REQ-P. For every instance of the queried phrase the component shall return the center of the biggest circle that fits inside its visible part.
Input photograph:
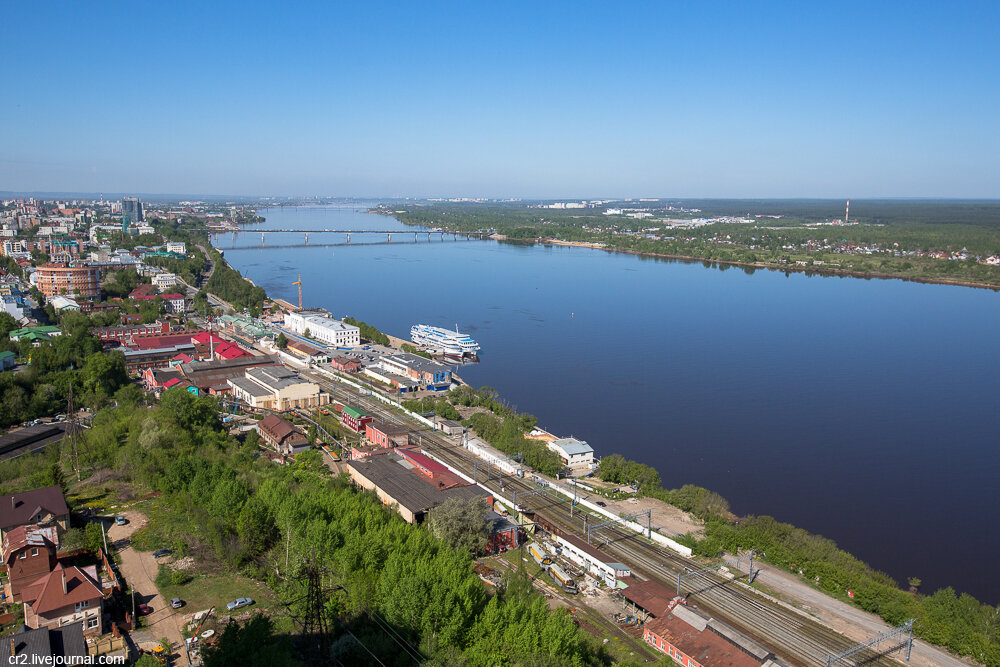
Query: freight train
(561, 578)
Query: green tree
(255, 527)
(281, 341)
(461, 524)
(252, 644)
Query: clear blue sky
(534, 99)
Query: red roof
(183, 358)
(205, 338)
(18, 538)
(170, 383)
(46, 594)
(421, 460)
(230, 351)
(142, 290)
(153, 342)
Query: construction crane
(299, 283)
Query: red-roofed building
(65, 595)
(206, 338)
(145, 289)
(694, 640)
(425, 464)
(182, 358)
(229, 350)
(29, 552)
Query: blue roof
(572, 446)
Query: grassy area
(213, 590)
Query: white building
(573, 452)
(592, 559)
(177, 246)
(494, 456)
(165, 281)
(61, 303)
(323, 328)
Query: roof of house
(205, 338)
(184, 358)
(22, 537)
(344, 360)
(422, 460)
(388, 429)
(231, 351)
(278, 428)
(6, 353)
(46, 643)
(17, 509)
(654, 597)
(352, 411)
(46, 594)
(572, 446)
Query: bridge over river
(402, 236)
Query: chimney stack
(65, 590)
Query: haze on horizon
(563, 100)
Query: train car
(560, 577)
(539, 556)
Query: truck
(562, 579)
(539, 556)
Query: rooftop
(572, 446)
(17, 509)
(411, 490)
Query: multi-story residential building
(82, 281)
(323, 328)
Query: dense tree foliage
(368, 332)
(461, 525)
(234, 509)
(74, 358)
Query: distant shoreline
(771, 267)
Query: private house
(29, 552)
(282, 436)
(63, 596)
(345, 364)
(572, 452)
(277, 388)
(47, 646)
(7, 360)
(381, 434)
(45, 506)
(354, 418)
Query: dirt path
(139, 569)
(852, 622)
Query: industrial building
(427, 373)
(494, 457)
(323, 328)
(572, 452)
(592, 559)
(411, 482)
(694, 639)
(277, 388)
(282, 436)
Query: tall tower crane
(299, 283)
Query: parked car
(144, 610)
(176, 603)
(120, 520)
(160, 553)
(239, 602)
(601, 503)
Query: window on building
(79, 606)
(92, 622)
(34, 551)
(23, 554)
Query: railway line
(792, 635)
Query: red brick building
(345, 364)
(68, 280)
(29, 553)
(381, 434)
(694, 640)
(354, 418)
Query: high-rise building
(131, 213)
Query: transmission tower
(315, 628)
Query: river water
(862, 410)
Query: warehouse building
(277, 388)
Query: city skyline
(774, 101)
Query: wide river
(862, 410)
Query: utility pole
(72, 428)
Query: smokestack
(847, 213)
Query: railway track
(792, 635)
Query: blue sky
(740, 99)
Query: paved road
(139, 569)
